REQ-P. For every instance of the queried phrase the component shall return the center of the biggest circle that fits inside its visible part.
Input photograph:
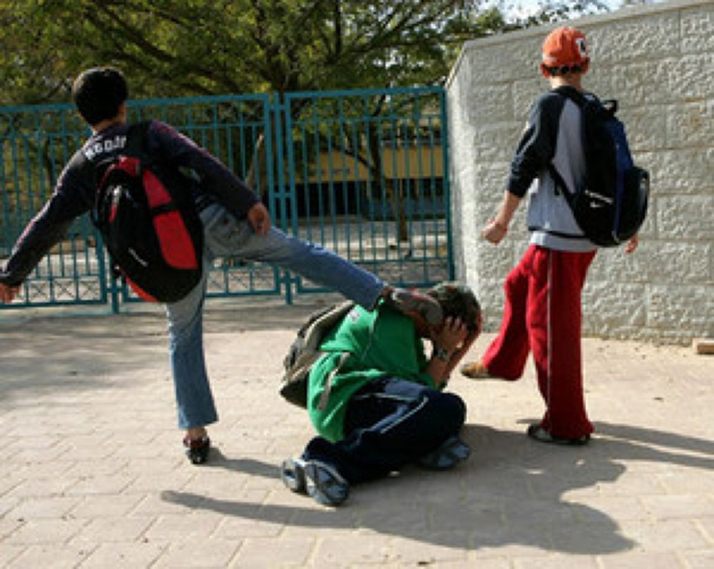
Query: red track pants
(543, 315)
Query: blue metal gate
(363, 173)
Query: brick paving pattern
(93, 474)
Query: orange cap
(565, 46)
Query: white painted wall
(658, 61)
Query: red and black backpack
(146, 212)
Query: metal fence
(363, 173)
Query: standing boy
(235, 223)
(543, 312)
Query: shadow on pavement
(511, 491)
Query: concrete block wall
(658, 61)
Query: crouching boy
(377, 400)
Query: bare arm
(497, 228)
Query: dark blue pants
(390, 423)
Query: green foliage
(197, 47)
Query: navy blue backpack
(611, 203)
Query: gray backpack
(305, 351)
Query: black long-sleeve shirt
(75, 191)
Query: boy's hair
(458, 301)
(98, 94)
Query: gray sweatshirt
(552, 137)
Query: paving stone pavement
(93, 474)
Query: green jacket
(381, 343)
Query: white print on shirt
(582, 47)
(104, 146)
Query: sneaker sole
(447, 456)
(292, 473)
(324, 484)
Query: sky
(524, 7)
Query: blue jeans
(390, 422)
(225, 236)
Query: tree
(199, 47)
(204, 47)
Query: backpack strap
(344, 356)
(533, 228)
(559, 184)
(610, 106)
(571, 93)
(136, 146)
